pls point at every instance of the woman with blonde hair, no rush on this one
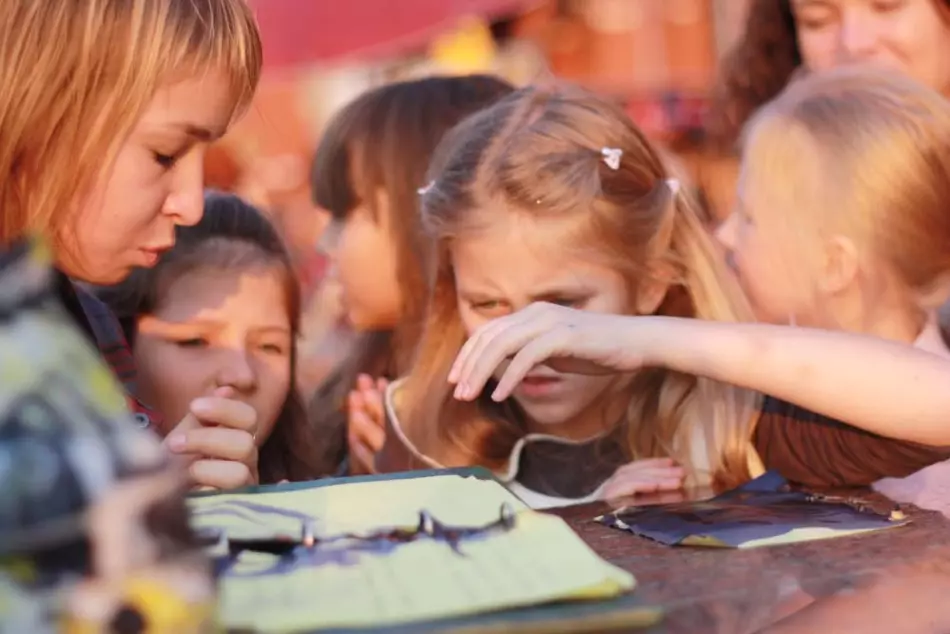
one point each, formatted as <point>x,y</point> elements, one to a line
<point>108,109</point>
<point>554,195</point>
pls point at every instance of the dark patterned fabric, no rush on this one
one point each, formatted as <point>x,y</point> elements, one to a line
<point>571,470</point>
<point>105,331</point>
<point>545,465</point>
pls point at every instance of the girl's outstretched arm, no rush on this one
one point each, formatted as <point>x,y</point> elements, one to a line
<point>883,387</point>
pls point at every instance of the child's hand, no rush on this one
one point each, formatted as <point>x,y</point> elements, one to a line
<point>566,339</point>
<point>366,423</point>
<point>644,476</point>
<point>219,436</point>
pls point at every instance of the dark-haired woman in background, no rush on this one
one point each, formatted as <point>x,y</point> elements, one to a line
<point>784,38</point>
<point>219,315</point>
<point>367,173</point>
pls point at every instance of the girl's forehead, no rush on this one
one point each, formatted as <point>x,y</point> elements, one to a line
<point>527,254</point>
<point>215,291</point>
<point>504,231</point>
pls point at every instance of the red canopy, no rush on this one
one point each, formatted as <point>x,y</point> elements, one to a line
<point>297,32</point>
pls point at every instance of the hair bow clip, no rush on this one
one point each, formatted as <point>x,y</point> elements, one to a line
<point>422,191</point>
<point>612,157</point>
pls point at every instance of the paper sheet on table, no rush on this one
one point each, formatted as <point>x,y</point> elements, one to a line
<point>539,561</point>
<point>762,512</point>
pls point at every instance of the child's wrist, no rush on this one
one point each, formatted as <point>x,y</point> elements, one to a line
<point>647,340</point>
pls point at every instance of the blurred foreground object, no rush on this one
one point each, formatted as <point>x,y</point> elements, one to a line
<point>94,533</point>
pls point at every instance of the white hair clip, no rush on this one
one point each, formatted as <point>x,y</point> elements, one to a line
<point>674,185</point>
<point>422,191</point>
<point>611,157</point>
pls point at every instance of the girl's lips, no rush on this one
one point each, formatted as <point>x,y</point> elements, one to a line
<point>538,386</point>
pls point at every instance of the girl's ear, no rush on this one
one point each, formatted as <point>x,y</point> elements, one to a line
<point>840,267</point>
<point>653,287</point>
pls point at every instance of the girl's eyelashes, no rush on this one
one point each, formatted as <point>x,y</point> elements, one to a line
<point>192,342</point>
<point>815,16</point>
<point>569,302</point>
<point>274,348</point>
<point>166,161</point>
<point>489,308</point>
<point>496,307</point>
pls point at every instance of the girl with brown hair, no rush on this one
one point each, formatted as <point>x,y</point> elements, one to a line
<point>554,195</point>
<point>110,106</point>
<point>366,173</point>
<point>220,313</point>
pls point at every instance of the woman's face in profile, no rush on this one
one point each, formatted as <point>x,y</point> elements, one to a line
<point>912,36</point>
<point>154,183</point>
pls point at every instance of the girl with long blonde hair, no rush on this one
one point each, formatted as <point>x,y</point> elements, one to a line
<point>842,224</point>
<point>108,109</point>
<point>554,195</point>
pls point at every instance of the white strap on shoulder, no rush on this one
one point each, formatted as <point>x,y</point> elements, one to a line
<point>389,404</point>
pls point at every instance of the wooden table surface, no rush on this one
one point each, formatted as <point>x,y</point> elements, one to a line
<point>894,581</point>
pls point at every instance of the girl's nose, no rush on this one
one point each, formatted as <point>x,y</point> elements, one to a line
<point>237,371</point>
<point>185,202</point>
<point>857,39</point>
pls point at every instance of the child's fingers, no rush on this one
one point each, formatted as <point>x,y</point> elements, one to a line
<point>364,382</point>
<point>647,472</point>
<point>655,475</point>
<point>215,410</point>
<point>623,487</point>
<point>645,476</point>
<point>362,459</point>
<point>648,462</point>
<point>216,442</point>
<point>354,401</point>
<point>223,475</point>
<point>373,406</point>
<point>366,430</point>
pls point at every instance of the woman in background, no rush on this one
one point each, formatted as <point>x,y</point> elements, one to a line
<point>785,38</point>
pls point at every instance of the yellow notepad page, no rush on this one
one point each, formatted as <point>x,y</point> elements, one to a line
<point>538,561</point>
<point>357,506</point>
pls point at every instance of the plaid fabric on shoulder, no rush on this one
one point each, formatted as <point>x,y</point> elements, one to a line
<point>116,351</point>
